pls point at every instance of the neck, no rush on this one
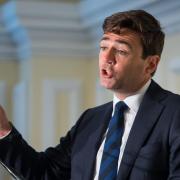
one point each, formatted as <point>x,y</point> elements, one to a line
<point>123,94</point>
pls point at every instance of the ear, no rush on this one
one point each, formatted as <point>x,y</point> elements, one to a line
<point>151,64</point>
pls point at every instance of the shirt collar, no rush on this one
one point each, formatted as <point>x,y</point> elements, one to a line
<point>133,101</point>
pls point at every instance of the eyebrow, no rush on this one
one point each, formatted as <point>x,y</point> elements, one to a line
<point>118,41</point>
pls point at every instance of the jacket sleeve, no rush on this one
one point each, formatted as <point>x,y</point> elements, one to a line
<point>25,163</point>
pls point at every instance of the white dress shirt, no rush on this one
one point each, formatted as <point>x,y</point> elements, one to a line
<point>133,102</point>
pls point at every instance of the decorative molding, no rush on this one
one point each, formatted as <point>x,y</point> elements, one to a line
<point>20,106</point>
<point>48,9</point>
<point>168,13</point>
<point>3,95</point>
<point>95,15</point>
<point>68,29</point>
<point>56,29</point>
<point>52,88</point>
<point>12,28</point>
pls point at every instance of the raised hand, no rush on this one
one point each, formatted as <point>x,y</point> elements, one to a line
<point>5,126</point>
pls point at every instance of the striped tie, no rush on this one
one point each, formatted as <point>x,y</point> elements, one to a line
<point>109,162</point>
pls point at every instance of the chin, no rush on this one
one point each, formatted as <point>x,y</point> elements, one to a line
<point>107,86</point>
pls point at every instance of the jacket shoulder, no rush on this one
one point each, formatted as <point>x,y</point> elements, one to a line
<point>101,107</point>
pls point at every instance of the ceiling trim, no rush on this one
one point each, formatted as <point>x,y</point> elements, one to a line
<point>75,29</point>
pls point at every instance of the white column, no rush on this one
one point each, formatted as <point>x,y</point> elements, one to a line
<point>51,90</point>
<point>3,93</point>
<point>20,108</point>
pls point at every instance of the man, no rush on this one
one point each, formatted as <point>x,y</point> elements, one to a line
<point>149,138</point>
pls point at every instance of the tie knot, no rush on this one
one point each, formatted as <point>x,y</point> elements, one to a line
<point>121,106</point>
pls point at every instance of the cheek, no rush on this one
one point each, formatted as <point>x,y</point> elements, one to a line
<point>123,68</point>
<point>100,60</point>
<point>132,71</point>
<point>139,72</point>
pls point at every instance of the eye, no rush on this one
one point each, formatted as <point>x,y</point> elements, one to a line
<point>121,52</point>
<point>103,48</point>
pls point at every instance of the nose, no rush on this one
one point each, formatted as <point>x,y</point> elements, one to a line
<point>110,62</point>
<point>109,57</point>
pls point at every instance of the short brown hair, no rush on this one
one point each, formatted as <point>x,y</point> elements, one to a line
<point>141,22</point>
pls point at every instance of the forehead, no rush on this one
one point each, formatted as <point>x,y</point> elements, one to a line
<point>128,38</point>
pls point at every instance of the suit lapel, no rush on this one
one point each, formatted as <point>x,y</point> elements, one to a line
<point>99,125</point>
<point>148,113</point>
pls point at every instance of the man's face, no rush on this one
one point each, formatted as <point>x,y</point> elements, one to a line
<point>121,66</point>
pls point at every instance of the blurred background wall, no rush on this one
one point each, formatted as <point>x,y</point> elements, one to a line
<point>49,61</point>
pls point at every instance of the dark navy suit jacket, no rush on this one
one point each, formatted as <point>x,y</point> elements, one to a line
<point>152,151</point>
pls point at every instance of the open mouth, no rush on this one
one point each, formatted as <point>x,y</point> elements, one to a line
<point>107,73</point>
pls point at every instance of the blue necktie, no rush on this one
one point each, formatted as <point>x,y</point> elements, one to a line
<point>109,162</point>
